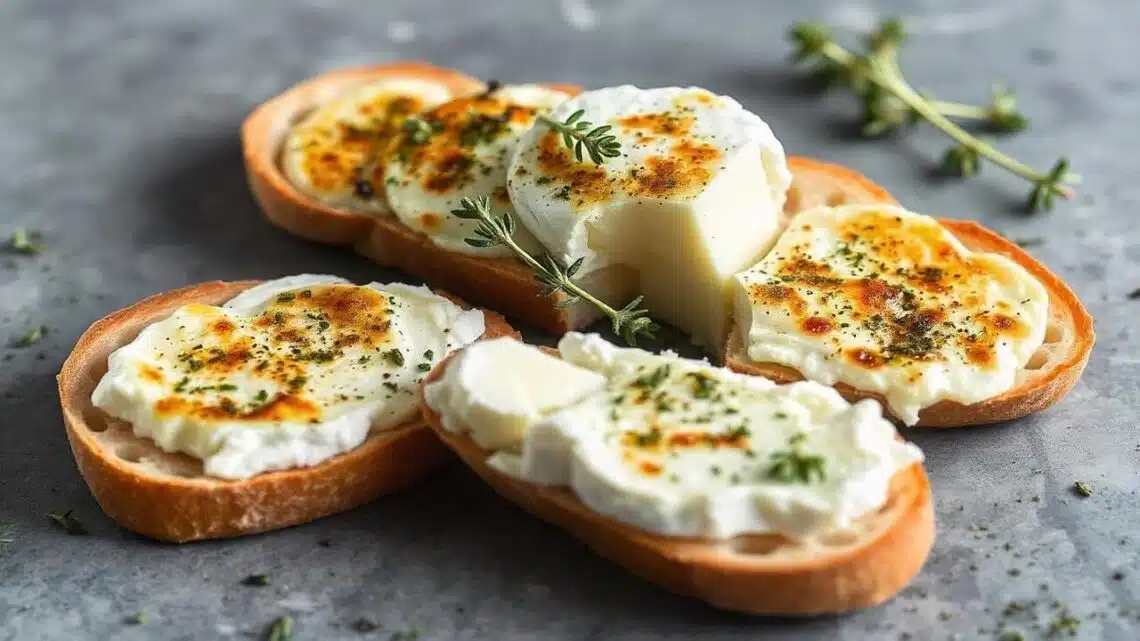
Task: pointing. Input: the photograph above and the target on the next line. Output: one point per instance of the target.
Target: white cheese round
(680, 448)
(325, 153)
(888, 301)
(463, 152)
(288, 374)
(694, 196)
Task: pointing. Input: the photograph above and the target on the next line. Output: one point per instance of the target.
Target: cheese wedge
(694, 197)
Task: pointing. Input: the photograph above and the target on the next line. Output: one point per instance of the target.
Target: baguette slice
(166, 496)
(1050, 373)
(755, 574)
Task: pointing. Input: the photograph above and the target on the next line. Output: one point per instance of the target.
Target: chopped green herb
(1011, 635)
(394, 356)
(391, 386)
(181, 385)
(1065, 623)
(138, 618)
(794, 466)
(424, 367)
(287, 297)
(738, 432)
(255, 580)
(227, 387)
(652, 379)
(407, 634)
(1083, 489)
(24, 241)
(261, 396)
(364, 359)
(297, 382)
(69, 523)
(281, 630)
(33, 336)
(364, 625)
(428, 354)
(779, 416)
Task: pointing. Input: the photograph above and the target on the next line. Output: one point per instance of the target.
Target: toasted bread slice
(1050, 373)
(167, 497)
(756, 574)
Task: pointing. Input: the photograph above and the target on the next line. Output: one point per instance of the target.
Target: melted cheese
(331, 154)
(463, 152)
(289, 373)
(888, 301)
(694, 197)
(680, 448)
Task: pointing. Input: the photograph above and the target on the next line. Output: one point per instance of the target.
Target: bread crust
(757, 574)
(1037, 389)
(177, 509)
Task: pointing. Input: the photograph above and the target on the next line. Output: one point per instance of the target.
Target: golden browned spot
(581, 183)
(707, 439)
(334, 150)
(980, 355)
(668, 177)
(150, 374)
(875, 293)
(817, 325)
(665, 123)
(778, 296)
(223, 327)
(445, 159)
(865, 358)
(649, 468)
(501, 196)
(450, 170)
(286, 407)
(429, 220)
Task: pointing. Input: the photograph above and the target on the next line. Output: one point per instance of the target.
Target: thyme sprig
(890, 103)
(630, 322)
(578, 134)
(794, 466)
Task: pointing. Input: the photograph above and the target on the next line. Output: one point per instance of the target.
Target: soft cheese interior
(671, 445)
(694, 197)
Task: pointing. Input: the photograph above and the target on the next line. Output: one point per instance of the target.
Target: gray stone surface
(118, 138)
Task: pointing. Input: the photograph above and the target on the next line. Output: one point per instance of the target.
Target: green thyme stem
(630, 322)
(960, 110)
(883, 71)
(891, 79)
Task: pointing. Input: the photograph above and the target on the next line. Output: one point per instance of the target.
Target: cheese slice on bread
(751, 496)
(225, 409)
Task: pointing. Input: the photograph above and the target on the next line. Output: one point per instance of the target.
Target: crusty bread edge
(264, 129)
(174, 509)
(854, 577)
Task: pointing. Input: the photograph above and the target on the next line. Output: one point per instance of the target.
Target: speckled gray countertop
(119, 139)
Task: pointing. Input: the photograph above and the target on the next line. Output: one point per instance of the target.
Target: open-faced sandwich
(752, 496)
(231, 408)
